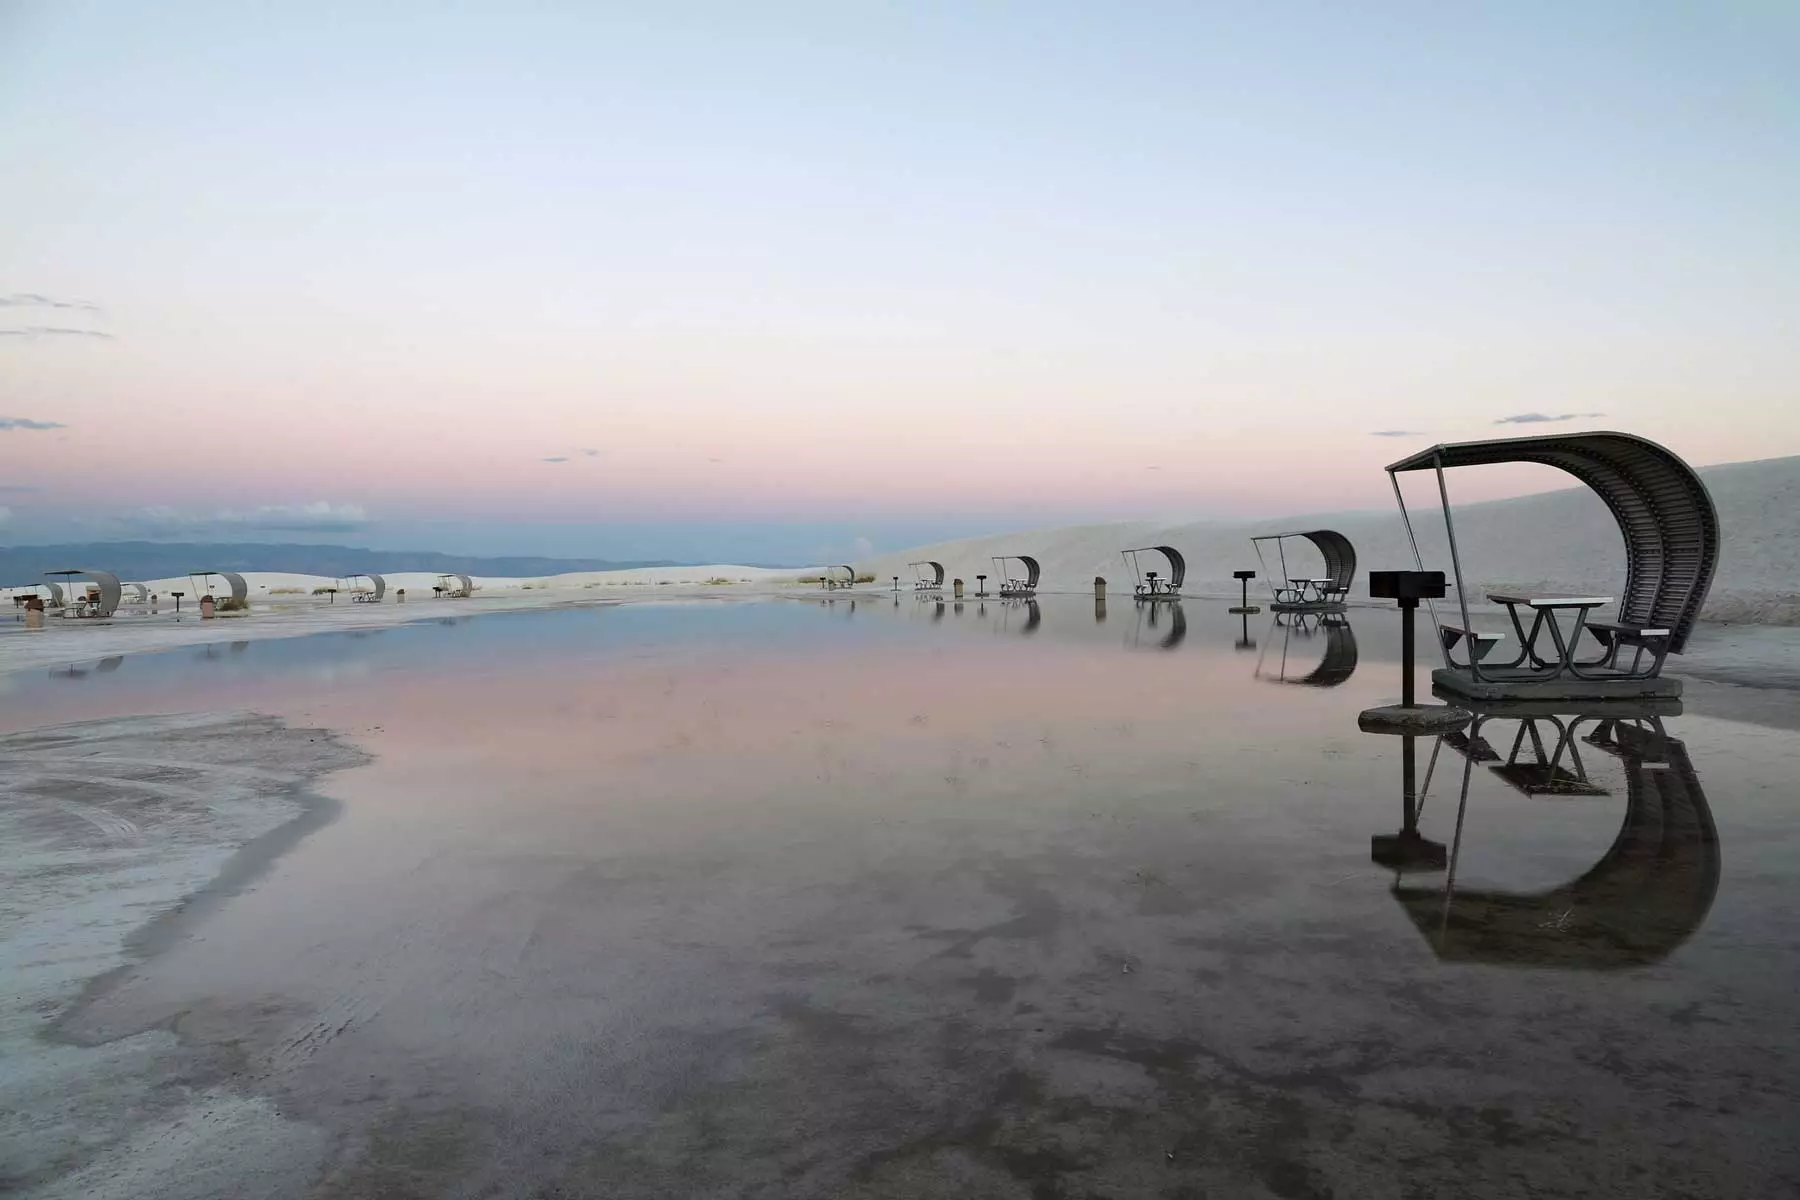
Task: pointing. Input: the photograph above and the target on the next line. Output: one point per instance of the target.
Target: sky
(783, 281)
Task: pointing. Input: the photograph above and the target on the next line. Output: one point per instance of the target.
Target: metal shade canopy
(1334, 547)
(376, 582)
(240, 591)
(1032, 573)
(936, 577)
(1177, 564)
(1664, 511)
(107, 581)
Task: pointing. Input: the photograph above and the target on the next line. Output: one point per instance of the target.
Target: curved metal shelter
(464, 591)
(1646, 896)
(140, 592)
(106, 581)
(1011, 585)
(1333, 547)
(1664, 511)
(377, 585)
(1150, 587)
(240, 591)
(928, 581)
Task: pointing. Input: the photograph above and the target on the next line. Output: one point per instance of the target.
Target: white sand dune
(1563, 540)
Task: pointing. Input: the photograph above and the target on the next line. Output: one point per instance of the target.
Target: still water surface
(804, 900)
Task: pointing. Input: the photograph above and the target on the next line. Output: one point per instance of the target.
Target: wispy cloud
(28, 423)
(39, 300)
(1538, 418)
(18, 488)
(1395, 433)
(556, 458)
(590, 453)
(37, 331)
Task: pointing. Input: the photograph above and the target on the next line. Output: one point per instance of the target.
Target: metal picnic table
(1298, 588)
(1544, 609)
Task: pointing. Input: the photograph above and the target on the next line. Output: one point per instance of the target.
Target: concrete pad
(1459, 684)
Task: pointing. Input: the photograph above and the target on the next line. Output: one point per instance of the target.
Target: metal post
(1407, 609)
(1462, 593)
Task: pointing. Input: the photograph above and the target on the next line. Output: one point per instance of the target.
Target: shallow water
(807, 899)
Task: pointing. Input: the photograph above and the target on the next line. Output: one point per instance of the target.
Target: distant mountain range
(159, 560)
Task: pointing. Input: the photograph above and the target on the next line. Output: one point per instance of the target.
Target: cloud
(35, 331)
(557, 458)
(28, 423)
(1395, 433)
(1538, 418)
(862, 547)
(591, 453)
(318, 517)
(39, 300)
(14, 488)
(5, 514)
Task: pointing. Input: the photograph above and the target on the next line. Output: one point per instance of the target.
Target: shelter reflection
(1165, 630)
(1296, 630)
(1649, 892)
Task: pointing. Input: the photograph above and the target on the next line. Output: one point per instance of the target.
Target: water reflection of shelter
(929, 575)
(1150, 585)
(1335, 665)
(1293, 592)
(1545, 755)
(842, 575)
(1014, 584)
(1649, 892)
(1671, 533)
(1150, 617)
(1034, 616)
(454, 586)
(99, 599)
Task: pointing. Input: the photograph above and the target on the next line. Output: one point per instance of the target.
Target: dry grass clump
(865, 579)
(321, 591)
(720, 581)
(232, 604)
(286, 591)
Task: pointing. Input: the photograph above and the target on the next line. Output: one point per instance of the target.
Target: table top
(1549, 600)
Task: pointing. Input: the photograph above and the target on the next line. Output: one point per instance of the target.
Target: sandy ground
(119, 835)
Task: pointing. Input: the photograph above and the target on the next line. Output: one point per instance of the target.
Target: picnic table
(1543, 608)
(1296, 590)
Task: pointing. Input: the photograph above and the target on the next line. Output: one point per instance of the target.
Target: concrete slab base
(1242, 609)
(1459, 684)
(1311, 606)
(1414, 720)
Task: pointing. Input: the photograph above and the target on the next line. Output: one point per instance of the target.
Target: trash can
(958, 585)
(206, 608)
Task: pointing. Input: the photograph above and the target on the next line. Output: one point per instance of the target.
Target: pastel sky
(756, 281)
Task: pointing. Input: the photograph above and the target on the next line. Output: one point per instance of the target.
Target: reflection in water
(1099, 610)
(1245, 641)
(1336, 665)
(111, 663)
(1150, 616)
(1646, 895)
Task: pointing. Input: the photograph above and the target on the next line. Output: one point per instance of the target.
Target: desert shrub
(287, 591)
(232, 604)
(865, 579)
(321, 591)
(719, 581)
